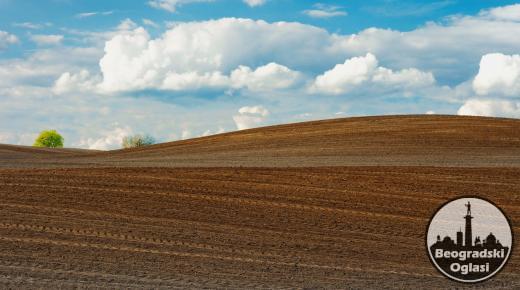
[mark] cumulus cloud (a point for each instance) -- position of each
(211, 132)
(255, 3)
(324, 11)
(19, 139)
(268, 77)
(365, 71)
(188, 58)
(47, 39)
(127, 24)
(123, 66)
(498, 74)
(193, 81)
(507, 13)
(150, 23)
(353, 72)
(171, 5)
(133, 60)
(110, 139)
(264, 78)
(42, 67)
(7, 39)
(436, 47)
(70, 82)
(490, 108)
(206, 47)
(250, 117)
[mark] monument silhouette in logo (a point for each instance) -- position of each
(467, 259)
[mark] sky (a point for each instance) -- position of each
(97, 71)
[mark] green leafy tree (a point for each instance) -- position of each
(137, 141)
(50, 139)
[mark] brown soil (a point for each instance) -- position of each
(450, 141)
(131, 219)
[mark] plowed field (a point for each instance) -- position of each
(107, 220)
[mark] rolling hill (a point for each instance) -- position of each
(363, 141)
(332, 204)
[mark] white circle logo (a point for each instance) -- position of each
(469, 239)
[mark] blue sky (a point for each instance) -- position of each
(99, 70)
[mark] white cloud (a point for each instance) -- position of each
(449, 49)
(7, 39)
(191, 56)
(490, 108)
(211, 46)
(210, 132)
(314, 13)
(123, 65)
(408, 8)
(365, 71)
(186, 134)
(409, 78)
(150, 23)
(353, 72)
(18, 139)
(171, 5)
(47, 39)
(250, 117)
(194, 80)
(132, 60)
(33, 26)
(42, 67)
(498, 74)
(255, 3)
(265, 78)
(256, 110)
(324, 11)
(80, 82)
(110, 139)
(507, 13)
(85, 14)
(6, 138)
(90, 14)
(127, 24)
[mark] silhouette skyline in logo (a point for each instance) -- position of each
(474, 259)
(489, 242)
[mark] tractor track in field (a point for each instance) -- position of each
(238, 200)
(201, 256)
(196, 235)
